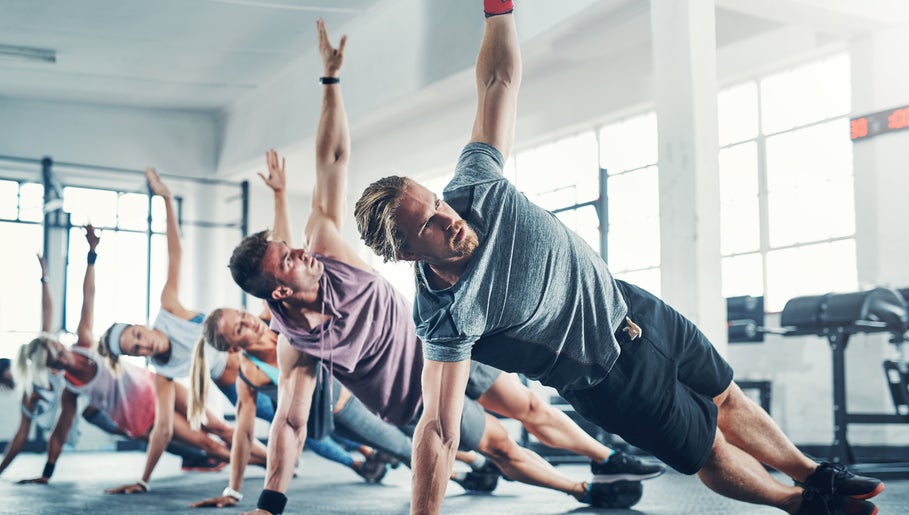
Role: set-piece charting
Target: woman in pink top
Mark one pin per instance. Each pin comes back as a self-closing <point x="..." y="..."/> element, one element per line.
<point x="127" y="397"/>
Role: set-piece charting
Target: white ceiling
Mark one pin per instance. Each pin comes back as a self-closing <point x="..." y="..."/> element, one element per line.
<point x="182" y="54"/>
<point x="247" y="64"/>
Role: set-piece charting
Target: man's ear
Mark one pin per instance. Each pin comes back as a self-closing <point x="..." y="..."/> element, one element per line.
<point x="281" y="292"/>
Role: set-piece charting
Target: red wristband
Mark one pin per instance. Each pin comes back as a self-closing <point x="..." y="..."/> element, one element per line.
<point x="496" y="7"/>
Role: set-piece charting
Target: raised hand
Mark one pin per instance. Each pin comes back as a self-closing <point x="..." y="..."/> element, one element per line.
<point x="216" y="502"/>
<point x="277" y="179"/>
<point x="332" y="57"/>
<point x="157" y="185"/>
<point x="92" y="237"/>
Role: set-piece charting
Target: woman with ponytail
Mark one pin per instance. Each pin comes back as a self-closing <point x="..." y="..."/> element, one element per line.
<point x="121" y="403"/>
<point x="41" y="389"/>
<point x="168" y="345"/>
<point x="247" y="336"/>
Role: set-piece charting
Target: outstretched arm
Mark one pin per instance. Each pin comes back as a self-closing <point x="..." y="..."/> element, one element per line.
<point x="244" y="434"/>
<point x="170" y="299"/>
<point x="277" y="181"/>
<point x="332" y="138"/>
<point x="58" y="436"/>
<point x="436" y="438"/>
<point x="47" y="305"/>
<point x="161" y="434"/>
<point x="498" y="80"/>
<point x="296" y="382"/>
<point x="29" y="401"/>
<point x="86" y="321"/>
<point x="323" y="229"/>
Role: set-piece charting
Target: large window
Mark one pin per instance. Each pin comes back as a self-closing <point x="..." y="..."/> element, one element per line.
<point x="629" y="152"/>
<point x="786" y="184"/>
<point x="121" y="273"/>
<point x="121" y="283"/>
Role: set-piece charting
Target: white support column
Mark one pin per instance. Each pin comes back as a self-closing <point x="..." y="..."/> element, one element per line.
<point x="685" y="91"/>
<point x="879" y="82"/>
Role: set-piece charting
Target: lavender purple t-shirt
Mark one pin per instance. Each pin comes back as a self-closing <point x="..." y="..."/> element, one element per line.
<point x="370" y="341"/>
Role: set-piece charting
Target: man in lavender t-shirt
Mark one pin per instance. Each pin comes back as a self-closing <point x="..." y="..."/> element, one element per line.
<point x="329" y="304"/>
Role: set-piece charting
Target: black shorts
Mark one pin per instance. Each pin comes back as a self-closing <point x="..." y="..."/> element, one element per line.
<point x="481" y="379"/>
<point x="659" y="395"/>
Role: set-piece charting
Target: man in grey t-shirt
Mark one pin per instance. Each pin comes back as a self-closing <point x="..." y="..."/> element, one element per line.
<point x="502" y="281"/>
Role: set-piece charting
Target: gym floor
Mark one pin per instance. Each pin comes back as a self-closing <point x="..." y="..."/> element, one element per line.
<point x="326" y="487"/>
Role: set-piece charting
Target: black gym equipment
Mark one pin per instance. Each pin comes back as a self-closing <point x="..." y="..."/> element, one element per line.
<point x="837" y="317"/>
<point x="745" y="319"/>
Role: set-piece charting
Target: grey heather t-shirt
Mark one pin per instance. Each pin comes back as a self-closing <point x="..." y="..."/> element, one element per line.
<point x="534" y="298"/>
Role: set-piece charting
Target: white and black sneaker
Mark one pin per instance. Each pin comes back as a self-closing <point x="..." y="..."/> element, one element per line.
<point x="622" y="467"/>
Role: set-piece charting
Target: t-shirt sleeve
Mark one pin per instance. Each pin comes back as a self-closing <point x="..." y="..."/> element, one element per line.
<point x="448" y="351"/>
<point x="479" y="163"/>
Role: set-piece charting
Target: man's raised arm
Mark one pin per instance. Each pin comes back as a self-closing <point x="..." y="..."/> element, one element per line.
<point x="332" y="139"/>
<point x="498" y="78"/>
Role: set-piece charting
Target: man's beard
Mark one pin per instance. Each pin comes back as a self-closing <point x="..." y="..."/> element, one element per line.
<point x="466" y="246"/>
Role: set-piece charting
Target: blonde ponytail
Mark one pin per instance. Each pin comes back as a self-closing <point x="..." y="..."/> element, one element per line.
<point x="198" y="392"/>
<point x="30" y="368"/>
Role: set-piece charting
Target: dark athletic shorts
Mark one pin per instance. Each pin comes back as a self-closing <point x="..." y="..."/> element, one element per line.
<point x="481" y="379"/>
<point x="659" y="395"/>
<point x="473" y="424"/>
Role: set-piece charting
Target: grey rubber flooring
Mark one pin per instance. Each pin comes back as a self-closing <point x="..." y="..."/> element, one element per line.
<point x="326" y="487"/>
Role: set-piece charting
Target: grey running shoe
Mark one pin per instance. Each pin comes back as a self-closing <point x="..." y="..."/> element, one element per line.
<point x="623" y="467"/>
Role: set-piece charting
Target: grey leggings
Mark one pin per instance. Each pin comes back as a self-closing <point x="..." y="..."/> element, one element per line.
<point x="357" y="423"/>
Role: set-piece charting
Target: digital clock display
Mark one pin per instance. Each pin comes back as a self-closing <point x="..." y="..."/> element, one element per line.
<point x="871" y="125"/>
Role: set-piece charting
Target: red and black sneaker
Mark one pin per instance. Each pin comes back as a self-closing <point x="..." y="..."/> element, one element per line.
<point x="835" y="479"/>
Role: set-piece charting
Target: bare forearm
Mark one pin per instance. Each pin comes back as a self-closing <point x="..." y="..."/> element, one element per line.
<point x="432" y="462"/>
<point x="88" y="301"/>
<point x="157" y="442"/>
<point x="282" y="228"/>
<point x="499" y="59"/>
<point x="174" y="249"/>
<point x="284" y="445"/>
<point x="15" y="447"/>
<point x="55" y="447"/>
<point x="239" y="454"/>
<point x="333" y="135"/>
<point x="47" y="307"/>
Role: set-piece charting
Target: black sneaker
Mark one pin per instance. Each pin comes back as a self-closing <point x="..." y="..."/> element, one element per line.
<point x="484" y="480"/>
<point x="372" y="470"/>
<point x="617" y="494"/>
<point x="622" y="467"/>
<point x="814" y="503"/>
<point x="829" y="479"/>
<point x="202" y="464"/>
<point x="387" y="458"/>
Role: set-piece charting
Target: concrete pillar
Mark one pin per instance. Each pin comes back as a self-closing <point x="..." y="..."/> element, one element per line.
<point x="685" y="92"/>
<point x="880" y="81"/>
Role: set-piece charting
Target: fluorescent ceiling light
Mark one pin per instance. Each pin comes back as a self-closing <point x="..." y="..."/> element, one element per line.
<point x="24" y="53"/>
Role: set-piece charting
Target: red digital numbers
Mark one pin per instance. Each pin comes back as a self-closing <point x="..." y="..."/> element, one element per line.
<point x="858" y="128"/>
<point x="898" y="119"/>
<point x="881" y="122"/>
